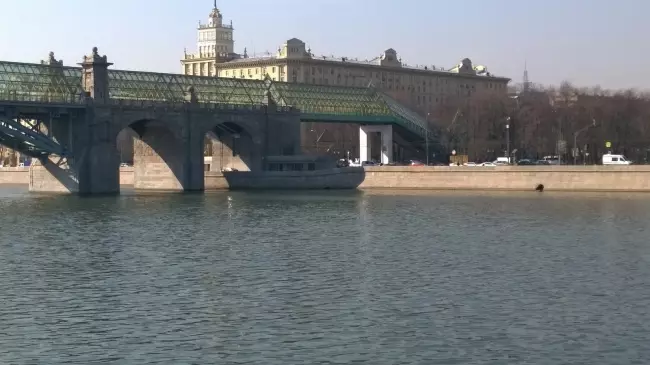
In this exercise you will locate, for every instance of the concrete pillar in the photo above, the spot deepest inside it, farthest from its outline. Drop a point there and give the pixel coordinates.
(386, 132)
(364, 146)
(94, 171)
(92, 167)
(387, 144)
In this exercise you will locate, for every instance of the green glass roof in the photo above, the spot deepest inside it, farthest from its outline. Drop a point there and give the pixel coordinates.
(42, 83)
(24, 82)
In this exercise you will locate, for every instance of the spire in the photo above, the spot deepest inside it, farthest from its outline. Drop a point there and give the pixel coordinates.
(526, 81)
(215, 13)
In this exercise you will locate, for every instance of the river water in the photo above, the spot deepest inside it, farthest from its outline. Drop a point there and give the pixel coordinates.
(325, 278)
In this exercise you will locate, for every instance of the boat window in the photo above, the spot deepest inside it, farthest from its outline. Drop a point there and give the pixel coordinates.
(294, 167)
(275, 167)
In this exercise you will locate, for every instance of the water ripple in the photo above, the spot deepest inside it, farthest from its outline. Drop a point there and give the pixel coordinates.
(326, 278)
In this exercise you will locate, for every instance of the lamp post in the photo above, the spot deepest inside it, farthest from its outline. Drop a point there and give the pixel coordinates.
(508, 139)
(575, 139)
(516, 113)
(426, 131)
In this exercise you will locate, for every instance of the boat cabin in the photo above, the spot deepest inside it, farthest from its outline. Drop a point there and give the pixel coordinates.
(299, 163)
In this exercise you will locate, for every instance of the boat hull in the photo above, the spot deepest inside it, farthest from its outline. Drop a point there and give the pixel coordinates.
(335, 178)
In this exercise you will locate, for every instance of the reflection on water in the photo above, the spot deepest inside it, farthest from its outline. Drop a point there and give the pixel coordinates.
(325, 277)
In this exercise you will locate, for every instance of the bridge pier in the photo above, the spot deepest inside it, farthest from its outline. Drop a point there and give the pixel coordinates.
(94, 171)
(365, 150)
(162, 162)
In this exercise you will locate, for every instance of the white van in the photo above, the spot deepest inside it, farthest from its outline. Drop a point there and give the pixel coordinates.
(551, 160)
(609, 159)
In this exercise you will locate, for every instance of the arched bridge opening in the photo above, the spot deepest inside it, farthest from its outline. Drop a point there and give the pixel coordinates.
(153, 157)
(231, 147)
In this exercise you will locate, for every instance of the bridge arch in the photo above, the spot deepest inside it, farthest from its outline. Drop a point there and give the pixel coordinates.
(232, 146)
(154, 151)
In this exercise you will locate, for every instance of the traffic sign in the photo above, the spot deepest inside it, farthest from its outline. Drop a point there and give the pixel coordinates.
(608, 144)
(575, 152)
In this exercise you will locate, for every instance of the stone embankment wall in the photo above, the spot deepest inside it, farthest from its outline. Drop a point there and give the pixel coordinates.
(554, 178)
(20, 175)
(14, 175)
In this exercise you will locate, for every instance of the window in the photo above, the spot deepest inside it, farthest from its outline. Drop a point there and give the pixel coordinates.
(295, 167)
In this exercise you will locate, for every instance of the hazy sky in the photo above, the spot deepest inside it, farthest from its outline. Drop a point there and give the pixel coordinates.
(588, 42)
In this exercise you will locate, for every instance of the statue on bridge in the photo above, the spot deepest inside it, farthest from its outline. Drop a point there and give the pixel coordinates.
(51, 61)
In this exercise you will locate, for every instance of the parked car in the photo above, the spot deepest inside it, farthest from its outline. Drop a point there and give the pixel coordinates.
(552, 160)
(526, 162)
(610, 159)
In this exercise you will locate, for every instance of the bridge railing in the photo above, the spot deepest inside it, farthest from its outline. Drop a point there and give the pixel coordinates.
(27, 97)
(139, 103)
(408, 118)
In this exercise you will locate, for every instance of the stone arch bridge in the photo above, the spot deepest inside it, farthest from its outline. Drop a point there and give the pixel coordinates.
(68, 119)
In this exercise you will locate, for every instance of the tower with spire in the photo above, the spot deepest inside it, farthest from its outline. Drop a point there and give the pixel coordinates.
(214, 44)
(526, 80)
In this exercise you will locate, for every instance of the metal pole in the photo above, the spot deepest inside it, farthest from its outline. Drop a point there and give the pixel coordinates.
(426, 131)
(508, 140)
(575, 148)
(575, 139)
(560, 138)
(427, 148)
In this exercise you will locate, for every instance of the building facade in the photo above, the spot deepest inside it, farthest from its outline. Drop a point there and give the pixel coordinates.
(422, 87)
(215, 44)
(425, 89)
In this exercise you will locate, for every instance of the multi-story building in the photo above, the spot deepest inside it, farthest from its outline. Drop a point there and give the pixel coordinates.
(423, 88)
(215, 44)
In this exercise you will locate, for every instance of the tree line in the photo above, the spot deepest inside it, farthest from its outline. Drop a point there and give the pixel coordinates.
(577, 124)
